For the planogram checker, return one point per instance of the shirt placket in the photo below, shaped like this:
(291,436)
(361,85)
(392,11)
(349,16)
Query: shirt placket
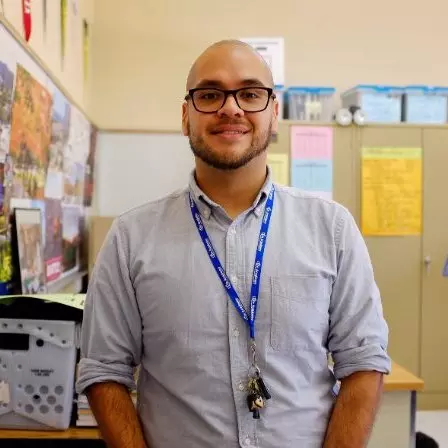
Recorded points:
(238,337)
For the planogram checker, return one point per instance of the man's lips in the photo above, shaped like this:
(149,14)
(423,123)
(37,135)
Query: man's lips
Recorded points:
(230,130)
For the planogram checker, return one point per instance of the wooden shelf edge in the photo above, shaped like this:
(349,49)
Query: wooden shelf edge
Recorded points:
(71,433)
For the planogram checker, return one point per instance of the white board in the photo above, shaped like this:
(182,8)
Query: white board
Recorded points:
(132,169)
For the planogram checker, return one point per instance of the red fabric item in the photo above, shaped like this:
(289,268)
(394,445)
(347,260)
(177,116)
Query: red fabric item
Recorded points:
(26,8)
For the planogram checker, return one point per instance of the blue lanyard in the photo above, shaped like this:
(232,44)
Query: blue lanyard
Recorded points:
(255,288)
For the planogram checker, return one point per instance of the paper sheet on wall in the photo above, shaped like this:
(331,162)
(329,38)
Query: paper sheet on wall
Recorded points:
(313,176)
(60,131)
(312,159)
(31,110)
(391,191)
(279,164)
(272,49)
(7,76)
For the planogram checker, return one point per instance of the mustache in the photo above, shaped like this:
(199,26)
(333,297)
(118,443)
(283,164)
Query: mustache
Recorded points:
(229,122)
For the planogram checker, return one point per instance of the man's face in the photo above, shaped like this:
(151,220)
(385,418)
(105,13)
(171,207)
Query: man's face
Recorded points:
(229,138)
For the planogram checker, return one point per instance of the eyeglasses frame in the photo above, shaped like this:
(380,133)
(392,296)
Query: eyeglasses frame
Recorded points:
(233,92)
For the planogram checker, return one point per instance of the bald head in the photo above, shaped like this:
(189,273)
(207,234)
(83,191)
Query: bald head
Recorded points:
(228,131)
(229,56)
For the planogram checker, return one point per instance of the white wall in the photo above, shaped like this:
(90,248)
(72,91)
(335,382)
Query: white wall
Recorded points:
(144,48)
(132,169)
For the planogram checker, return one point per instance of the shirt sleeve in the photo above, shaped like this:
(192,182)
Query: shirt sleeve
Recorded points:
(358,334)
(111,330)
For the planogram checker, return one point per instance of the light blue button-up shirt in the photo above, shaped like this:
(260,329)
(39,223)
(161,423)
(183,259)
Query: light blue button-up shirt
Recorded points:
(155,300)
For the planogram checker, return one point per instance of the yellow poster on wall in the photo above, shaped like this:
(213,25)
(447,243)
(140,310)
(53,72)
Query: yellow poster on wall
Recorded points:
(391,193)
(279,164)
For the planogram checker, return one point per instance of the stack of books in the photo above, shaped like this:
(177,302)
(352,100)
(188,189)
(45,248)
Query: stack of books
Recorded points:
(85,415)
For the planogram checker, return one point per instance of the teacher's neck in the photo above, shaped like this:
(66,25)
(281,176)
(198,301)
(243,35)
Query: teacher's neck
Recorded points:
(234,190)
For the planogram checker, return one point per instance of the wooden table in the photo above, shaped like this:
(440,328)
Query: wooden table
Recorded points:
(401,379)
(395,425)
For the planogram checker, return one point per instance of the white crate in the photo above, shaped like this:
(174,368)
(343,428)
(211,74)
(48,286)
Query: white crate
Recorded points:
(37,373)
(424,104)
(380,104)
(310,103)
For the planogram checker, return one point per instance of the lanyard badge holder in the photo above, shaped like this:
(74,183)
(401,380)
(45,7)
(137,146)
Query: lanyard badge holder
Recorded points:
(258,392)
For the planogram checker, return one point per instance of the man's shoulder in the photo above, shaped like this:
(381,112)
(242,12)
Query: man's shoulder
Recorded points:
(301,200)
(152,211)
(316,214)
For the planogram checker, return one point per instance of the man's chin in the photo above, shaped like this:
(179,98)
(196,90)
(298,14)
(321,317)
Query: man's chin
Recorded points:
(230,149)
(224,156)
(223,164)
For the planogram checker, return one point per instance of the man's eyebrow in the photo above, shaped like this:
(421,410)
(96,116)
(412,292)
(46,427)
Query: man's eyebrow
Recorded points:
(249,82)
(209,83)
(252,82)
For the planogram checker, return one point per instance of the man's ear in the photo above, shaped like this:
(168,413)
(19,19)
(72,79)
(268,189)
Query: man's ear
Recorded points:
(185,118)
(275,117)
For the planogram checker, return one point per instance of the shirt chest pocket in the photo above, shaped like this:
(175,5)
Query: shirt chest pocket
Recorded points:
(300,317)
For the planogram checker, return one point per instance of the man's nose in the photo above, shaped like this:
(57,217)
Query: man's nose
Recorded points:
(230,108)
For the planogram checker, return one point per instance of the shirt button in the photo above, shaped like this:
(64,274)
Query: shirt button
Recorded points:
(236,332)
(233,279)
(241,387)
(247,442)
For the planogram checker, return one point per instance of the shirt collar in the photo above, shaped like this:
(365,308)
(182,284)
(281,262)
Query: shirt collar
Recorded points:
(206,205)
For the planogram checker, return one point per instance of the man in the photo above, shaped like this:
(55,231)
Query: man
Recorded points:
(231,293)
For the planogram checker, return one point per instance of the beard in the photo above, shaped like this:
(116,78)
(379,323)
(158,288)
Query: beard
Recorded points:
(205,152)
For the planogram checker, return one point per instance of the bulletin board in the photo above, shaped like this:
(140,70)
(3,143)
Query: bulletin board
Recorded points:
(47,155)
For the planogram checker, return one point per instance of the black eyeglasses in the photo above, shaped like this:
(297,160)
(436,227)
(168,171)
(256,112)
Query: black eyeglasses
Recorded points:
(249,99)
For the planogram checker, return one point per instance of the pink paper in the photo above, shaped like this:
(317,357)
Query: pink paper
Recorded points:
(314,143)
